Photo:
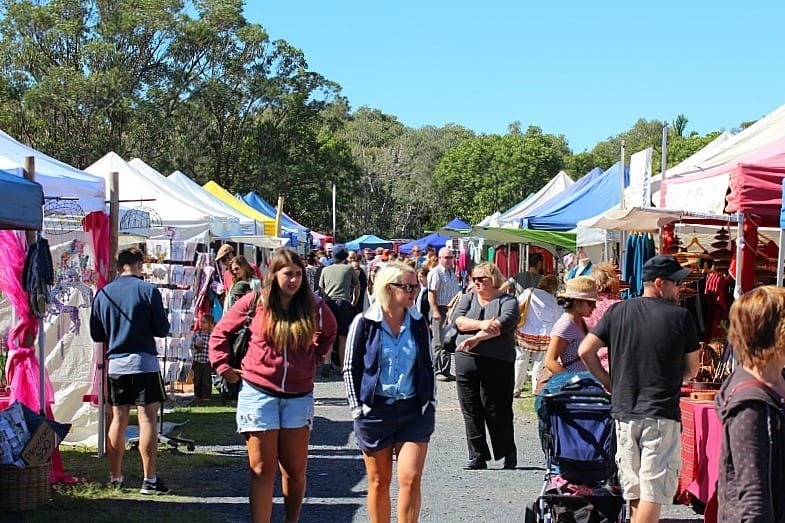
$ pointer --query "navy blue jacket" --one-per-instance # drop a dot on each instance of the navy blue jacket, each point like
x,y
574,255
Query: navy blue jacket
x,y
361,363
127,314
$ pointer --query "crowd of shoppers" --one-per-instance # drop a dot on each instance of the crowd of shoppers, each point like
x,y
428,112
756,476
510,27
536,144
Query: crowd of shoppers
x,y
392,315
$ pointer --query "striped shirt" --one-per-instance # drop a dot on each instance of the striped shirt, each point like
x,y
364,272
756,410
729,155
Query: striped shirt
x,y
444,283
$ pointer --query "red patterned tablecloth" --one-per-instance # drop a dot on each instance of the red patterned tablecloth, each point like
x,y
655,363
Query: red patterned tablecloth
x,y
701,442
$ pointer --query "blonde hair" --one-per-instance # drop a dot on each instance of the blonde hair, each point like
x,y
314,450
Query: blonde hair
x,y
491,271
293,328
605,276
390,273
757,326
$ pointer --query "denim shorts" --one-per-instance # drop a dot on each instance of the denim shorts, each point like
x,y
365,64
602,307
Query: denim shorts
x,y
258,411
389,423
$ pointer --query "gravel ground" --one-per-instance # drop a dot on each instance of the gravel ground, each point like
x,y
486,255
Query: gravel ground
x,y
337,485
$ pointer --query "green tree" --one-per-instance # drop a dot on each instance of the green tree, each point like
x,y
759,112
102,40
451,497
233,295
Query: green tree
x,y
491,173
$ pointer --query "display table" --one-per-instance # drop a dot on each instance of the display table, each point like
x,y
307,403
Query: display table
x,y
701,442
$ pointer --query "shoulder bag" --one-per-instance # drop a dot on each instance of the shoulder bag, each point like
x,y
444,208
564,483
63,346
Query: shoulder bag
x,y
451,332
243,336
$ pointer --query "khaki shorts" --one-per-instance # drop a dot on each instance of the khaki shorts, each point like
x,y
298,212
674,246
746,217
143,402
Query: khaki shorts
x,y
649,458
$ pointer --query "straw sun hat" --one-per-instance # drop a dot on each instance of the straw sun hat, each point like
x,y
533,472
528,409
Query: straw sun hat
x,y
580,288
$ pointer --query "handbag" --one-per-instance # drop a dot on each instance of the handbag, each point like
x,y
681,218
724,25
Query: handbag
x,y
525,309
243,337
451,332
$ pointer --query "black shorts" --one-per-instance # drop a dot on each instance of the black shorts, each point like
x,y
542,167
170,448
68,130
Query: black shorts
x,y
344,314
136,389
390,423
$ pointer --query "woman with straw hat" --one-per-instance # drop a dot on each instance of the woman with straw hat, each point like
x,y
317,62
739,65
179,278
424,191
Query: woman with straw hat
x,y
578,301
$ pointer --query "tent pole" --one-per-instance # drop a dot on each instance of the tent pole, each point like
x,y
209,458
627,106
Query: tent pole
x,y
737,290
114,223
621,182
30,238
781,257
664,162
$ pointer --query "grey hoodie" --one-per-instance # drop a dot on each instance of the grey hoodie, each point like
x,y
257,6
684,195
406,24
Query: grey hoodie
x,y
751,483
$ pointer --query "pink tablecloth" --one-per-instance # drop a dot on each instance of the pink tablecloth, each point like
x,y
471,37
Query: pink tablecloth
x,y
5,401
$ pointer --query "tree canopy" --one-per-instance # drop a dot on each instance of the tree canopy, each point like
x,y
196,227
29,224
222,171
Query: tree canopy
x,y
192,85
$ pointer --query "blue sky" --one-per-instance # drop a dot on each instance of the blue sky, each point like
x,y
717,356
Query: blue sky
x,y
587,70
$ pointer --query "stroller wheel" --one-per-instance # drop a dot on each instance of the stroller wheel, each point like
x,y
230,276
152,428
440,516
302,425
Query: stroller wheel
x,y
531,514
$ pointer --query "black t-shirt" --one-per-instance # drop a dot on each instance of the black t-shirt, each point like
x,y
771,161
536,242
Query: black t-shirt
x,y
647,339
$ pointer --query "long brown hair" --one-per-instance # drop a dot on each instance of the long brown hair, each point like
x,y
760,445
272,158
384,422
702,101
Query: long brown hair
x,y
294,327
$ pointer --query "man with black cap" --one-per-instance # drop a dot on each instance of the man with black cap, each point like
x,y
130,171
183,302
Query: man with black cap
x,y
652,346
341,289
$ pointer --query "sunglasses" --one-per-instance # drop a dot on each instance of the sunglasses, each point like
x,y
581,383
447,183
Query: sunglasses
x,y
479,279
407,287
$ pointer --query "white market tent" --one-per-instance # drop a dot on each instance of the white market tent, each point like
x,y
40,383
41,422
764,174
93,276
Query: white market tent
x,y
59,180
179,218
200,196
513,216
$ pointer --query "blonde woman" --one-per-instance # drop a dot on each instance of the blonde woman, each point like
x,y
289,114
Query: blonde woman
x,y
485,367
389,378
291,331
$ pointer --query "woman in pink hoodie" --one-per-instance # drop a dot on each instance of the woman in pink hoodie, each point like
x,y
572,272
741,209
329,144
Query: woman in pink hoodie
x,y
291,331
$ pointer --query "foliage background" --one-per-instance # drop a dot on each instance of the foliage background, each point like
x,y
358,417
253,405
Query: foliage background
x,y
191,85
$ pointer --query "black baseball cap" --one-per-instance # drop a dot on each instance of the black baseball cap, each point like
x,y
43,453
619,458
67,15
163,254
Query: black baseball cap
x,y
666,267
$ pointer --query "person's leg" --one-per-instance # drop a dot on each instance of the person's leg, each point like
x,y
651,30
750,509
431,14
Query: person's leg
x,y
644,511
115,439
378,466
496,379
341,350
411,460
521,369
293,461
441,358
262,457
538,361
148,436
468,389
207,378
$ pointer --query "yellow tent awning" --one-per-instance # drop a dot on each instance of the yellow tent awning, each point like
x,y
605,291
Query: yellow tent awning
x,y
239,205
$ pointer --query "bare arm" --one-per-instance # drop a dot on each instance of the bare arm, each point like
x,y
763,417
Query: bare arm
x,y
588,353
555,349
434,308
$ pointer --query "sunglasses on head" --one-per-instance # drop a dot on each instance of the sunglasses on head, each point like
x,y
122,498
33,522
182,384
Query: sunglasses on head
x,y
406,287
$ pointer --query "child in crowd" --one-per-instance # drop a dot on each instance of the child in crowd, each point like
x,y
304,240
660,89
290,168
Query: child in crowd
x,y
203,371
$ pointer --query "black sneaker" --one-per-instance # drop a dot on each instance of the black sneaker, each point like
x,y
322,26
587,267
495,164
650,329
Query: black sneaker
x,y
116,484
154,488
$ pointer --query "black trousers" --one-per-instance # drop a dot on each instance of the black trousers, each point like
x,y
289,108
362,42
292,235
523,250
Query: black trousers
x,y
484,387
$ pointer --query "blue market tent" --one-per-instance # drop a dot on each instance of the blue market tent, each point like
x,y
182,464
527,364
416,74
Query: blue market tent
x,y
23,203
458,225
593,194
368,240
436,240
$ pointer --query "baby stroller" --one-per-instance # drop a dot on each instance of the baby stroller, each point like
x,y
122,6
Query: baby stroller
x,y
578,438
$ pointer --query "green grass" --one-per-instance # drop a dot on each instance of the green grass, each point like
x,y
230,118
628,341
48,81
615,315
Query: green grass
x,y
193,472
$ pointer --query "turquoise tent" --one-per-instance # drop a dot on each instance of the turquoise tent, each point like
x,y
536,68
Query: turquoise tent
x,y
368,240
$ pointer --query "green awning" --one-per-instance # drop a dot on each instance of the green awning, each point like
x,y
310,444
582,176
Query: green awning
x,y
544,239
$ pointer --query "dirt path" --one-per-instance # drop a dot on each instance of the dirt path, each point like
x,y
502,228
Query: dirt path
x,y
336,480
